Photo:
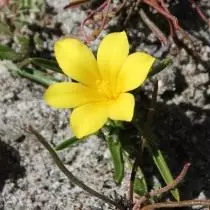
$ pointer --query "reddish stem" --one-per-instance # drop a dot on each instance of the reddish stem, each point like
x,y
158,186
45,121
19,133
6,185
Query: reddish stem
x,y
161,10
167,188
101,7
197,8
177,204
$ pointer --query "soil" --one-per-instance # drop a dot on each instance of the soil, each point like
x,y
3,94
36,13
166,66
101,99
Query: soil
x,y
29,180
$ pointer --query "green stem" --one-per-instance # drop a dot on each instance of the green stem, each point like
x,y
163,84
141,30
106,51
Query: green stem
x,y
69,175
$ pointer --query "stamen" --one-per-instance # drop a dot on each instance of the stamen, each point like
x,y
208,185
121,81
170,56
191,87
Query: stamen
x,y
105,87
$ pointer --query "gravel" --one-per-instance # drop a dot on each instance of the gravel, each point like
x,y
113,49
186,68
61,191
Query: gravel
x,y
29,180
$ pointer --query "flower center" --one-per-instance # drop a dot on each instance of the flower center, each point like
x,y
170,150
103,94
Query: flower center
x,y
106,88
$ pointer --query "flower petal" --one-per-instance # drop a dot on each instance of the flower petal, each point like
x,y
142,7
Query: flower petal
x,y
122,108
88,119
69,95
76,61
111,54
134,71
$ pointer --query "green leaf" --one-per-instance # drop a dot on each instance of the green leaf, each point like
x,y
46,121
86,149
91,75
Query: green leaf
x,y
46,64
162,166
8,53
67,143
35,76
159,66
156,154
140,185
117,157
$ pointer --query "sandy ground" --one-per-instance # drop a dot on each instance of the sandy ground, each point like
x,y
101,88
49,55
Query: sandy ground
x,y
29,180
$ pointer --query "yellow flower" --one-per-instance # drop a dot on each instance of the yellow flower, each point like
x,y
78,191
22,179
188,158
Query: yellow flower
x,y
100,92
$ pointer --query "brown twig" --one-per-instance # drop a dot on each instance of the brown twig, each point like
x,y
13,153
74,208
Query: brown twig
x,y
105,11
173,184
177,204
167,188
201,14
151,25
96,33
169,22
162,10
101,7
69,175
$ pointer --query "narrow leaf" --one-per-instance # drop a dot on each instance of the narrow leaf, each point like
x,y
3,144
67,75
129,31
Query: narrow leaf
x,y
162,166
46,64
157,155
117,157
67,143
140,186
36,76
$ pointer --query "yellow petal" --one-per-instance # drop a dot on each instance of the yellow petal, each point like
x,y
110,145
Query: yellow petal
x,y
69,95
134,71
76,61
122,108
111,54
88,119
